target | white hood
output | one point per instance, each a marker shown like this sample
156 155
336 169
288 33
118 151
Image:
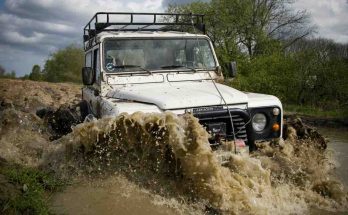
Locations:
169 95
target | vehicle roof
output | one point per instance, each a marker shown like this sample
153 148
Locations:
135 34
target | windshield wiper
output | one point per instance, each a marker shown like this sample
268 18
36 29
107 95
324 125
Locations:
132 66
178 66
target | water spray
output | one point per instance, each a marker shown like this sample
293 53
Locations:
220 94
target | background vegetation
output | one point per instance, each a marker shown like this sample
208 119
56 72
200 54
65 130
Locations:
4 74
270 42
62 66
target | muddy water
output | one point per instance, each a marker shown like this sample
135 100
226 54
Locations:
169 162
339 145
162 164
114 195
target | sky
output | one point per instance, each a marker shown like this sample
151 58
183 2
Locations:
31 30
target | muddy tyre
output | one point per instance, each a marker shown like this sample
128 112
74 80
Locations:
84 109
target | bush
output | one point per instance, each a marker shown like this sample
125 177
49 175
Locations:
302 78
34 185
65 65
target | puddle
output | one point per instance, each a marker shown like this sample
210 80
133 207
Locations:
114 195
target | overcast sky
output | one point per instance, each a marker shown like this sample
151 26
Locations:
32 29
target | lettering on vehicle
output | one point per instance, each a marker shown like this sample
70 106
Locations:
207 109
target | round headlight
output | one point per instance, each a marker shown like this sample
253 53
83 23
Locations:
259 121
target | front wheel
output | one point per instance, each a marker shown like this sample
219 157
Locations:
252 146
84 109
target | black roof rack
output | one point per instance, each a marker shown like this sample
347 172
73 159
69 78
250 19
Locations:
103 21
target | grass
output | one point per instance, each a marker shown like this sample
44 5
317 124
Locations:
35 185
316 112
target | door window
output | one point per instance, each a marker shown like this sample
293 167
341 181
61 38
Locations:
96 65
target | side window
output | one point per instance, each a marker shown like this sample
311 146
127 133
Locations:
96 65
88 59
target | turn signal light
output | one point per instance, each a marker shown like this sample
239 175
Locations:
275 127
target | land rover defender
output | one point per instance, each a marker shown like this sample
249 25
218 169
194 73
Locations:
149 62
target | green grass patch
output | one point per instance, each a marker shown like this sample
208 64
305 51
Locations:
34 187
316 112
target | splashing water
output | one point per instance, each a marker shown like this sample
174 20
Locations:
172 153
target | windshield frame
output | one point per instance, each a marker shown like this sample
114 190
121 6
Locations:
140 71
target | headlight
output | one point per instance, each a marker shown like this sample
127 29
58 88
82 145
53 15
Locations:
259 121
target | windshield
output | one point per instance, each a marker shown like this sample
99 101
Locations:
157 54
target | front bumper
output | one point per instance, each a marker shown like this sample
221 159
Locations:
218 124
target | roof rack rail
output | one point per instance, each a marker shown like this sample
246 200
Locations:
158 22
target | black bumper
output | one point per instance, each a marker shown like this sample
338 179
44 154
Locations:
241 123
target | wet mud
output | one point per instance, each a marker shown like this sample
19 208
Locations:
165 161
170 156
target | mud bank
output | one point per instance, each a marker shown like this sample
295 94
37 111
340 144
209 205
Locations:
168 157
320 121
24 136
30 96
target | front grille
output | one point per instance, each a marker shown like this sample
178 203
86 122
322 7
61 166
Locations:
240 118
239 128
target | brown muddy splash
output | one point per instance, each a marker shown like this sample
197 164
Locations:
173 153
169 157
23 137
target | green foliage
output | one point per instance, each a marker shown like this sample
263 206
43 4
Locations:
266 38
301 78
25 77
11 75
65 65
267 74
36 74
317 111
4 74
34 186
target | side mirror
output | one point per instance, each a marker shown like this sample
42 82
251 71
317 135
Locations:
232 69
88 76
218 70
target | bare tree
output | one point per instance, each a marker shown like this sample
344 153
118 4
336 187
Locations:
250 25
2 71
272 19
322 46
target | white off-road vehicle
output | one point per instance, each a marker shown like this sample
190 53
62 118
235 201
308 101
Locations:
149 63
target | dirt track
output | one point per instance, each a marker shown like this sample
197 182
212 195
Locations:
29 96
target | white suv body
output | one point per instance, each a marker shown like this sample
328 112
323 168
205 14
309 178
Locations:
158 71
